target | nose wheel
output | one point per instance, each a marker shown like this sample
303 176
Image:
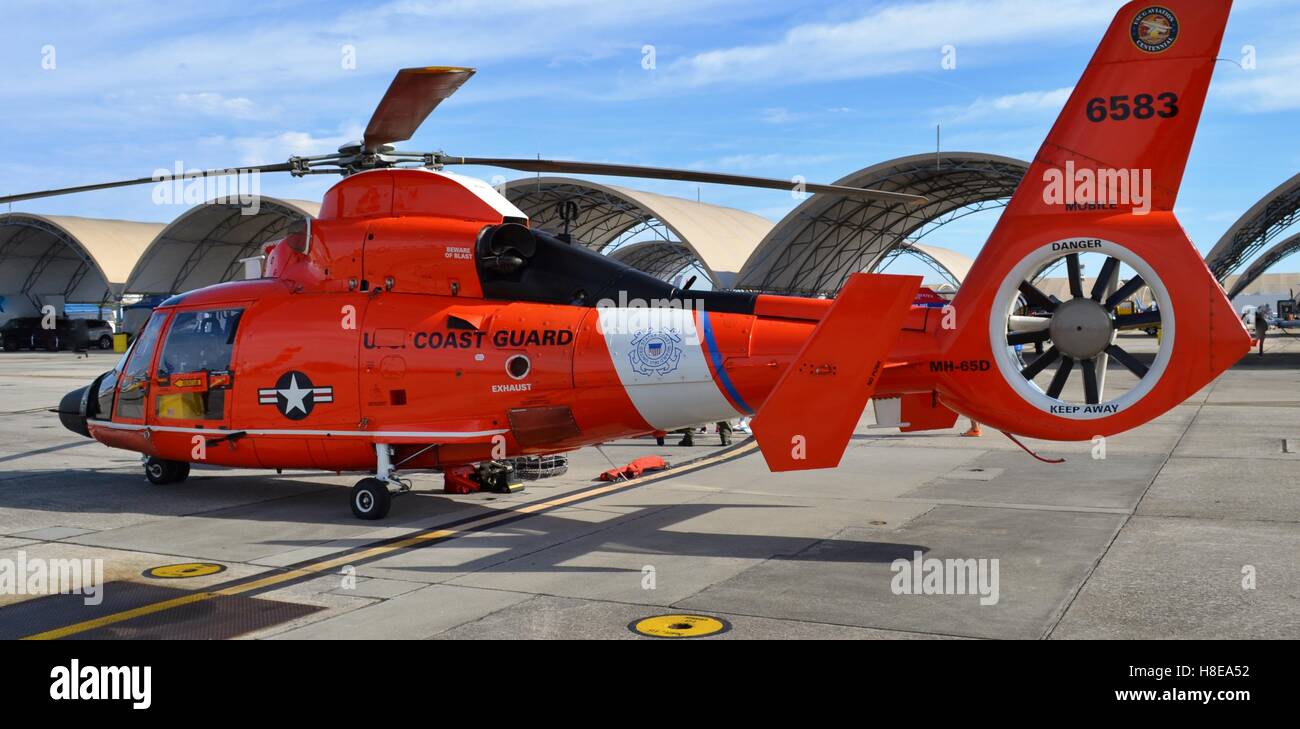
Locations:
160 472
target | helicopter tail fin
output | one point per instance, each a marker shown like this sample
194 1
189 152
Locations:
1098 200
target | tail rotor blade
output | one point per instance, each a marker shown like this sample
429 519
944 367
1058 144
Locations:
1040 364
1076 275
1058 380
1091 390
1128 289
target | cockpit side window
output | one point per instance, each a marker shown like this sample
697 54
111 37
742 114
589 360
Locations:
200 341
135 376
194 376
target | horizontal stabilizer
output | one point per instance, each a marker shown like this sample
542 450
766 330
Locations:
807 421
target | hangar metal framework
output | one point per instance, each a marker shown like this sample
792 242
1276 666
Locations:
951 266
205 244
661 259
82 260
606 217
1263 223
1270 258
827 238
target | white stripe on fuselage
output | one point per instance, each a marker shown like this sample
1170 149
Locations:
660 359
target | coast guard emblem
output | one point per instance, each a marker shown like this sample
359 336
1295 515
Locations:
656 352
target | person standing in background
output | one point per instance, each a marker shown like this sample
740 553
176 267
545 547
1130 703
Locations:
1261 329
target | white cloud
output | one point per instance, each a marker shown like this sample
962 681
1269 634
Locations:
1011 105
279 146
890 39
781 115
1268 88
771 161
214 104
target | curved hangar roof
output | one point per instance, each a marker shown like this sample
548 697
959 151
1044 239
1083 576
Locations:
1266 220
828 237
85 260
662 259
949 264
720 238
1270 258
203 246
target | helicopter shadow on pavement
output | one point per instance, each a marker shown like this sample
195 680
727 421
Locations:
548 542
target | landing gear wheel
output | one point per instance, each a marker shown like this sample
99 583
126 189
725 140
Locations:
370 499
160 472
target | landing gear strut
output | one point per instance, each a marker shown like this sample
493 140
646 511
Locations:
372 497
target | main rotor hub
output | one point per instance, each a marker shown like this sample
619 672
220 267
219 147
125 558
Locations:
1082 328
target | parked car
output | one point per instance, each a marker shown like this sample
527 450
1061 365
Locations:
99 333
27 333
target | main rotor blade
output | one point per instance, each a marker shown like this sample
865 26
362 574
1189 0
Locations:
413 95
280 167
663 173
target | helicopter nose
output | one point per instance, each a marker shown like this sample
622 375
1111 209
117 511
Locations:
72 411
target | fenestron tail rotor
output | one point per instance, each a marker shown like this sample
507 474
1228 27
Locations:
410 98
1078 335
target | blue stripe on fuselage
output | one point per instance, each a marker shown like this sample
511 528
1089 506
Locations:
716 358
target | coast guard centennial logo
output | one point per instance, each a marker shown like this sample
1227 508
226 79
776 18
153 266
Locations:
656 352
294 395
1155 29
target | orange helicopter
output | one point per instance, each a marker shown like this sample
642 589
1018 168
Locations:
420 323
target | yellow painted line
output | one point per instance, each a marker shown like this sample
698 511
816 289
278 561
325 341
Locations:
119 617
326 565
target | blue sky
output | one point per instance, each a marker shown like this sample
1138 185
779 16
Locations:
747 86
